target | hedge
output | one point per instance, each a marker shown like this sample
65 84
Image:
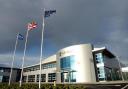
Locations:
50 86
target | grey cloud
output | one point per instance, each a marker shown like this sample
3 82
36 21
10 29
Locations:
100 22
7 59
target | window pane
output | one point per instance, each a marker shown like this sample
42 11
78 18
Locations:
43 78
51 77
1 78
67 62
31 78
49 65
99 58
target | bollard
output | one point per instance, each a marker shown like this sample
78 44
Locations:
54 83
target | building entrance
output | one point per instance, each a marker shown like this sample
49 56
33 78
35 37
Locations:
68 76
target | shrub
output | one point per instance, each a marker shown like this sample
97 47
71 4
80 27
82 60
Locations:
50 86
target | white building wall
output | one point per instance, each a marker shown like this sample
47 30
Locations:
50 70
84 61
50 59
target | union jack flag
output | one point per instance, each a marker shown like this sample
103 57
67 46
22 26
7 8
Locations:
32 25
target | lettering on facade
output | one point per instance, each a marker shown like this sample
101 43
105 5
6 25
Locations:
66 52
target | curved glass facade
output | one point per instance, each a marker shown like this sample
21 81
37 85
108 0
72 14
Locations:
67 65
68 62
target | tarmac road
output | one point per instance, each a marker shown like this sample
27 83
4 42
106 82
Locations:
111 85
108 85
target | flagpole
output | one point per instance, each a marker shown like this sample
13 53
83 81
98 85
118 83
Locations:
13 59
41 50
24 56
120 68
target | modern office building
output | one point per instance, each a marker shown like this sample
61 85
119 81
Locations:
5 73
78 63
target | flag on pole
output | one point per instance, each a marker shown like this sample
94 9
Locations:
32 25
20 37
48 13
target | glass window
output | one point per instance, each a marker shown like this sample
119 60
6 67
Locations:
37 67
43 78
101 73
65 77
44 66
51 77
33 68
1 78
99 58
1 70
49 65
5 78
31 78
67 62
68 76
24 78
25 70
73 76
6 70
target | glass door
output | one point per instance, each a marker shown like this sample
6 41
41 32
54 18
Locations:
68 76
1 78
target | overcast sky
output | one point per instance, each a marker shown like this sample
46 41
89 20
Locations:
100 22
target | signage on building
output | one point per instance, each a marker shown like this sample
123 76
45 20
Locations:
66 52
